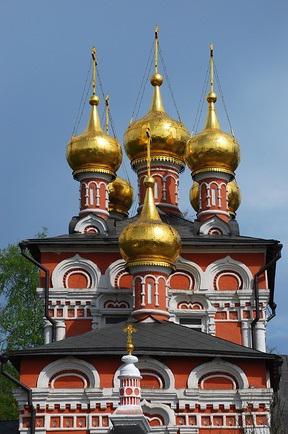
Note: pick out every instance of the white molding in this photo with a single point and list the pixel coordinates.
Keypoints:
(69, 264)
(228, 264)
(68, 363)
(191, 268)
(113, 271)
(214, 223)
(217, 366)
(163, 410)
(91, 220)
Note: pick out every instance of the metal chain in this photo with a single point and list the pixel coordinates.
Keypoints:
(223, 101)
(83, 100)
(103, 96)
(143, 83)
(201, 103)
(111, 121)
(169, 84)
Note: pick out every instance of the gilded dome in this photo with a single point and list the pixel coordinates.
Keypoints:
(149, 241)
(234, 196)
(212, 149)
(120, 195)
(168, 136)
(233, 191)
(94, 150)
(194, 196)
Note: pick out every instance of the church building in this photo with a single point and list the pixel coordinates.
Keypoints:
(153, 323)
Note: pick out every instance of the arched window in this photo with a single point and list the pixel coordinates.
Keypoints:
(228, 281)
(69, 380)
(218, 381)
(76, 271)
(67, 372)
(151, 379)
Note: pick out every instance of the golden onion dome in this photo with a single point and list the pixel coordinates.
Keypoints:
(194, 196)
(212, 149)
(234, 196)
(168, 136)
(149, 241)
(94, 150)
(120, 196)
(233, 192)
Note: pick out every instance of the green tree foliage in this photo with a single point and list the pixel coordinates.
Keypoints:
(21, 312)
(21, 316)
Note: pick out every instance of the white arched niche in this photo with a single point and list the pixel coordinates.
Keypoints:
(69, 364)
(75, 262)
(228, 264)
(217, 366)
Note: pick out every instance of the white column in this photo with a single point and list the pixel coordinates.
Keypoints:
(60, 329)
(246, 333)
(260, 336)
(47, 331)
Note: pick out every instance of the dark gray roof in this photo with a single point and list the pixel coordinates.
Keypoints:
(157, 338)
(115, 227)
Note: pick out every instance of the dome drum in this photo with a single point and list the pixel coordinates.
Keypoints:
(120, 196)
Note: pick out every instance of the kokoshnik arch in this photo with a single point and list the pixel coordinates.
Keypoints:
(198, 293)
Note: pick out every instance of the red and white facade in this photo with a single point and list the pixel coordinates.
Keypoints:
(222, 286)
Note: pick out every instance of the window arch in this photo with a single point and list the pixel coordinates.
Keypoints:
(78, 367)
(228, 281)
(228, 265)
(91, 224)
(69, 379)
(213, 368)
(82, 269)
(218, 381)
(188, 270)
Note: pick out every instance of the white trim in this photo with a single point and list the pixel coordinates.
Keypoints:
(163, 410)
(113, 271)
(91, 220)
(217, 375)
(214, 223)
(190, 267)
(228, 264)
(67, 374)
(68, 363)
(217, 366)
(75, 262)
(228, 273)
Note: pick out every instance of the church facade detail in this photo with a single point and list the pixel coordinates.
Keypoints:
(197, 294)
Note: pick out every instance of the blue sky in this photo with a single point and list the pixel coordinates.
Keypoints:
(44, 60)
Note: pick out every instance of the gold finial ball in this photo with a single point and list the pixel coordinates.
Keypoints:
(211, 97)
(120, 196)
(94, 100)
(156, 79)
(130, 348)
